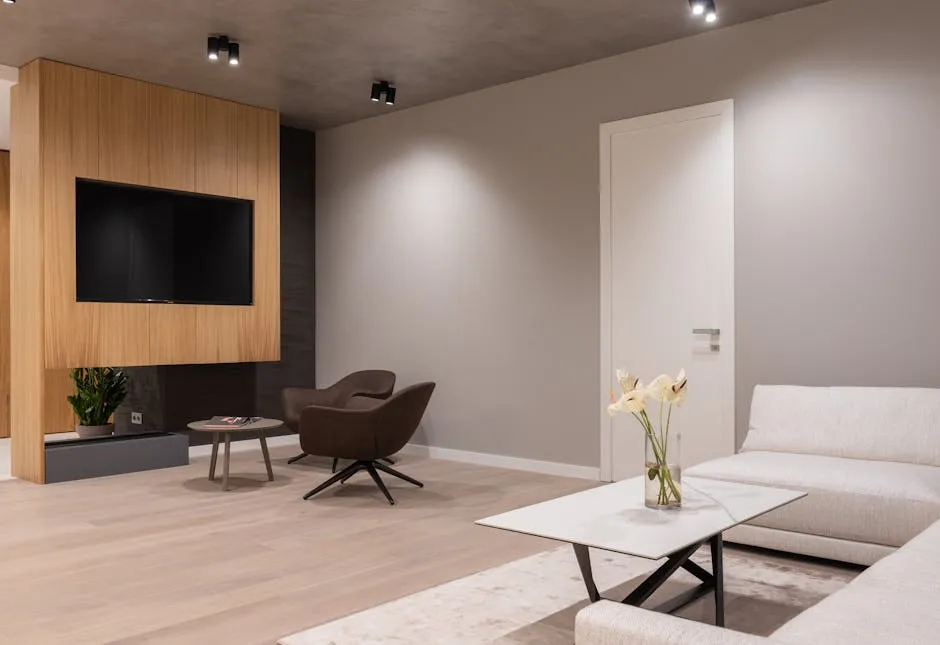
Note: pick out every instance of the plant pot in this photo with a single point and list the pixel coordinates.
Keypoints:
(87, 432)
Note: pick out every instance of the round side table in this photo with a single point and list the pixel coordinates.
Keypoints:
(260, 427)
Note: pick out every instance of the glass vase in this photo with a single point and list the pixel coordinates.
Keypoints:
(663, 478)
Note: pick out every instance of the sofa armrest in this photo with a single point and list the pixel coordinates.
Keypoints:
(609, 623)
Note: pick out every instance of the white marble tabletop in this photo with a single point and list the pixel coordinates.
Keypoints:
(613, 517)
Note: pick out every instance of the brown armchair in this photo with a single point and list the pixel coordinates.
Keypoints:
(367, 433)
(372, 384)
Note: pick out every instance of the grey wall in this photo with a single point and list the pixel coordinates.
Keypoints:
(458, 241)
(173, 395)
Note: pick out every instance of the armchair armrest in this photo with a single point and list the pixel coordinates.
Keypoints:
(609, 623)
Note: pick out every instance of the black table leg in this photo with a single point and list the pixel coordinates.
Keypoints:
(711, 582)
(717, 546)
(583, 555)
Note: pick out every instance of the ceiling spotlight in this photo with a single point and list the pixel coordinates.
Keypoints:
(219, 45)
(382, 91)
(212, 49)
(704, 8)
(9, 1)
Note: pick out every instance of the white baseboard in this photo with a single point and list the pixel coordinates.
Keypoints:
(502, 461)
(247, 444)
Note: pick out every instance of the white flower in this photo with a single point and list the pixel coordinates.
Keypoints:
(633, 401)
(665, 388)
(628, 382)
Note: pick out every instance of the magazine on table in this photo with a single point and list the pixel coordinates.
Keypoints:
(226, 423)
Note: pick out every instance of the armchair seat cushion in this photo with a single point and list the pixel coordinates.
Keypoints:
(878, 502)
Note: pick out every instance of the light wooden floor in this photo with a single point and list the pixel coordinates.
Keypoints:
(167, 557)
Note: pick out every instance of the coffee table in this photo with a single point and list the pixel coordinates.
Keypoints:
(614, 518)
(260, 427)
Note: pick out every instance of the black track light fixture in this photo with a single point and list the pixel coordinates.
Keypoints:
(217, 46)
(704, 8)
(383, 92)
(213, 48)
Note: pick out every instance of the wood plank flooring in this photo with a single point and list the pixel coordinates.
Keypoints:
(166, 557)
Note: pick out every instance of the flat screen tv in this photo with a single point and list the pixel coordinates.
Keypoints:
(136, 244)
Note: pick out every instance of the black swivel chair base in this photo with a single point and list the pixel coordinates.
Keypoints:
(372, 468)
(387, 460)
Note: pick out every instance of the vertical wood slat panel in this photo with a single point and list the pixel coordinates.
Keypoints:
(124, 154)
(27, 441)
(68, 112)
(4, 294)
(123, 132)
(172, 127)
(172, 135)
(58, 416)
(217, 327)
(266, 332)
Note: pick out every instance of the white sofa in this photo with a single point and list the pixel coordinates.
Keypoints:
(892, 603)
(869, 459)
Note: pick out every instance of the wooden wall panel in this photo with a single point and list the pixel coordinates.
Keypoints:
(216, 146)
(267, 310)
(4, 294)
(57, 413)
(26, 287)
(123, 130)
(172, 131)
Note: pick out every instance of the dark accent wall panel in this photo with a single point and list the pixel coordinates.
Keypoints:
(170, 396)
(296, 367)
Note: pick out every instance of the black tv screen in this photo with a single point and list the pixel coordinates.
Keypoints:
(136, 244)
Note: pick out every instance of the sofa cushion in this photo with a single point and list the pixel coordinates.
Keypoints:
(865, 501)
(884, 424)
(892, 602)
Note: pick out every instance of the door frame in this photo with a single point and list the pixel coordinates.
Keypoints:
(723, 109)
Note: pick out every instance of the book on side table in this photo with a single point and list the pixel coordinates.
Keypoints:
(226, 423)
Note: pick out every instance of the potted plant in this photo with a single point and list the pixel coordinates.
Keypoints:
(98, 393)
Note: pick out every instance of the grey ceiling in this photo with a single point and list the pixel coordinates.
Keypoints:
(315, 59)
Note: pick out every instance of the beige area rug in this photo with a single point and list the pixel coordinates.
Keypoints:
(534, 600)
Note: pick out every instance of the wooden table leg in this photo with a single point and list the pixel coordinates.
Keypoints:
(267, 456)
(228, 455)
(215, 455)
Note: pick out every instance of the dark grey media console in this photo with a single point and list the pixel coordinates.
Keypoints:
(116, 455)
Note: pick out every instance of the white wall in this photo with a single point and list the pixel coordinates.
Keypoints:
(8, 76)
(458, 241)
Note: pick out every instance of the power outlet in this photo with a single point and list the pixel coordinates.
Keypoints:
(137, 418)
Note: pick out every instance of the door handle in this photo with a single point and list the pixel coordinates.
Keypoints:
(707, 332)
(714, 333)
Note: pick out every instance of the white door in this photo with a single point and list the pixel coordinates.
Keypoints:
(667, 275)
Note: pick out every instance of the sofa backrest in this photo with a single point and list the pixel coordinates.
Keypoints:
(875, 423)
